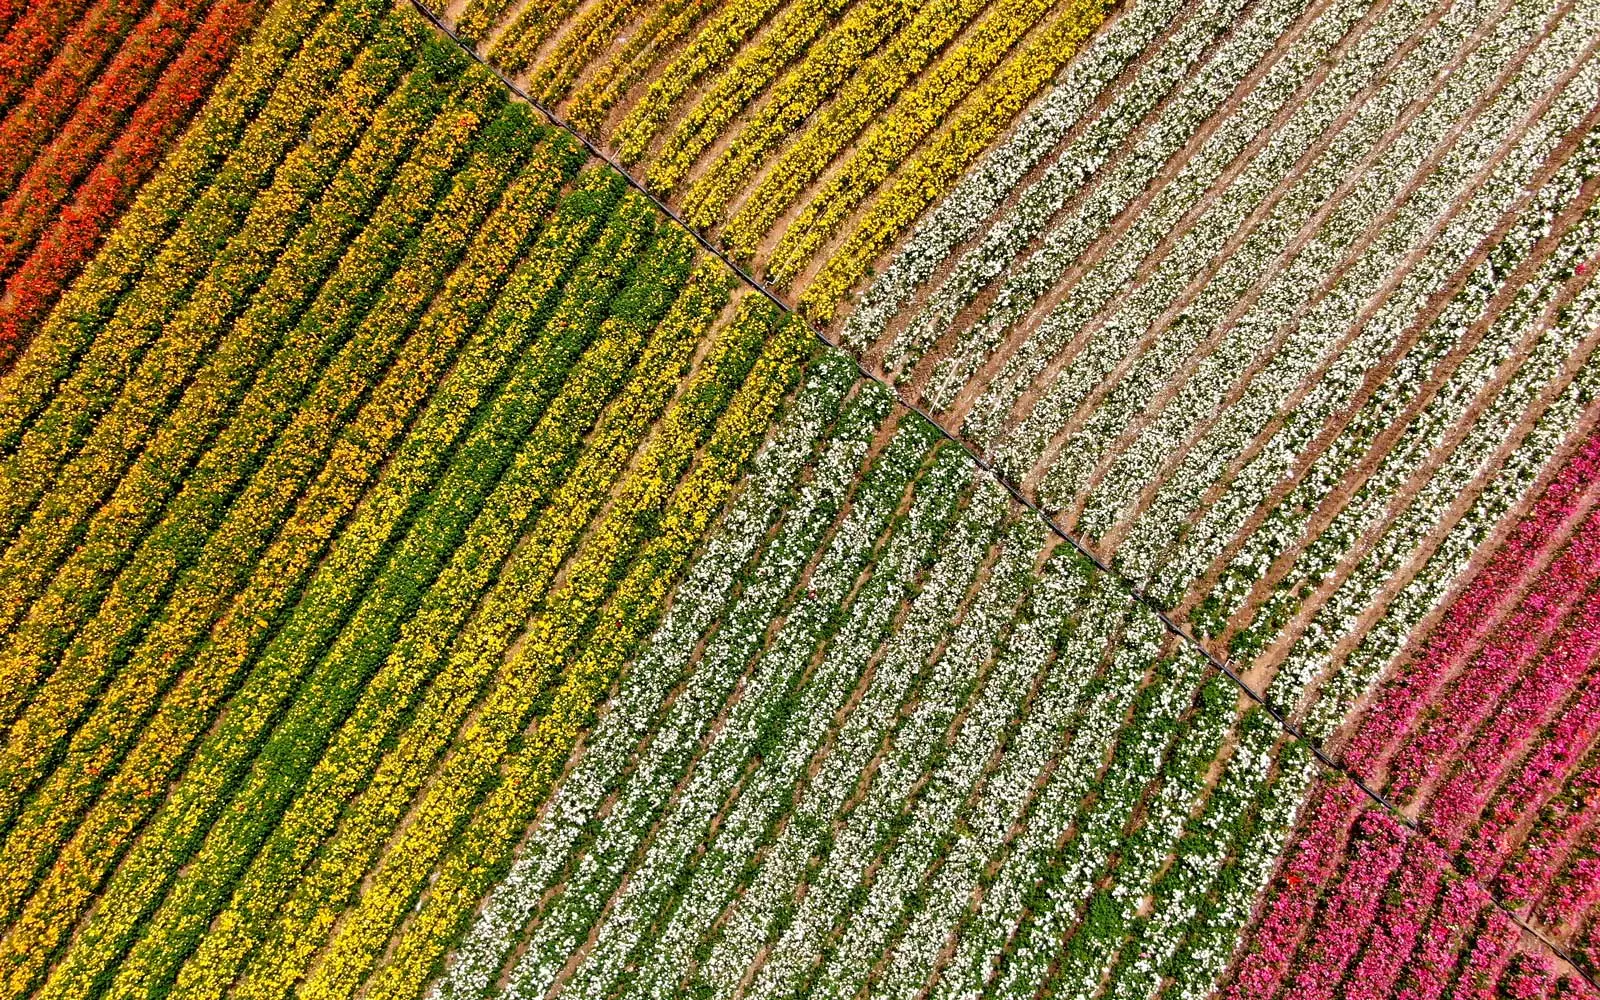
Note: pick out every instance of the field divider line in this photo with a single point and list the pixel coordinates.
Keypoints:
(1136, 593)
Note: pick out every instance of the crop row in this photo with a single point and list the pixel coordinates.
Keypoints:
(772, 124)
(95, 96)
(1485, 733)
(388, 435)
(1170, 330)
(881, 742)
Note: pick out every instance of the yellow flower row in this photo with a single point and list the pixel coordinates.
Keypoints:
(871, 90)
(537, 19)
(345, 767)
(71, 601)
(161, 204)
(713, 46)
(599, 551)
(248, 898)
(481, 852)
(588, 35)
(665, 27)
(753, 69)
(276, 559)
(964, 72)
(818, 75)
(533, 26)
(931, 171)
(114, 373)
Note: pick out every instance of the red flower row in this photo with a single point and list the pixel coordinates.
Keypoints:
(73, 237)
(34, 127)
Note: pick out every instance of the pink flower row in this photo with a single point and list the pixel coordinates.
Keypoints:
(1309, 864)
(1543, 775)
(1352, 906)
(1394, 713)
(1516, 641)
(1543, 689)
(1394, 934)
(1550, 843)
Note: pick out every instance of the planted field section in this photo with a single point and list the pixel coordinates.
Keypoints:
(1275, 304)
(1364, 907)
(92, 96)
(1487, 737)
(887, 740)
(330, 514)
(804, 135)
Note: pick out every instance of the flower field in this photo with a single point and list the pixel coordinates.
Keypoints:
(799, 498)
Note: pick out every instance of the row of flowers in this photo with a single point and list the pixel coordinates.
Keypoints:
(118, 380)
(979, 194)
(645, 708)
(341, 637)
(133, 550)
(1186, 95)
(1244, 262)
(248, 571)
(889, 77)
(988, 423)
(818, 73)
(104, 593)
(155, 214)
(808, 755)
(480, 853)
(603, 87)
(473, 654)
(706, 762)
(921, 149)
(1483, 367)
(1211, 383)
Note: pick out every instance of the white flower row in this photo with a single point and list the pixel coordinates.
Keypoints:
(1285, 525)
(1246, 266)
(1409, 530)
(1095, 732)
(1207, 382)
(1209, 947)
(1007, 792)
(1186, 889)
(1126, 180)
(982, 191)
(1146, 852)
(934, 830)
(1010, 235)
(1119, 266)
(1510, 482)
(1453, 399)
(663, 876)
(1140, 757)
(670, 752)
(845, 758)
(1326, 322)
(855, 847)
(699, 605)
